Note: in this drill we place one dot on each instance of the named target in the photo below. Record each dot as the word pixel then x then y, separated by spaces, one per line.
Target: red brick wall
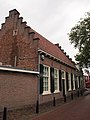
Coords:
pixel 17 89
pixel 19 43
pixel 49 97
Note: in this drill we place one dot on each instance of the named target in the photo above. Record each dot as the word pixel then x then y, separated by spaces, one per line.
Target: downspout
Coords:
pixel 38 85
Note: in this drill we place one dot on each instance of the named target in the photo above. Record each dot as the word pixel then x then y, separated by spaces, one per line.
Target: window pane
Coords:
pixel 55 84
pixel 46 80
pixel 69 80
pixel 63 74
pixel 56 79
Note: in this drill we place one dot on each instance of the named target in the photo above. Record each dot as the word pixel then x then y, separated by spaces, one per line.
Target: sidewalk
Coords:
pixel 76 110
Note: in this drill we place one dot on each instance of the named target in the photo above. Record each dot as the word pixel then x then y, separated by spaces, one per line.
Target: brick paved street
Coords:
pixel 76 110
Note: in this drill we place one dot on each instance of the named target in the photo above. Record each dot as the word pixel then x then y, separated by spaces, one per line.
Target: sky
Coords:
pixel 53 19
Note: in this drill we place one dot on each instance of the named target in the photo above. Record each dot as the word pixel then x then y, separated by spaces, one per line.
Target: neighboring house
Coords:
pixel 87 77
pixel 87 81
pixel 21 47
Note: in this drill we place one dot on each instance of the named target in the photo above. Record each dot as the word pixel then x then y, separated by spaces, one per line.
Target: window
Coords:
pixel 81 83
pixel 56 80
pixel 76 82
pixel 15 32
pixel 73 82
pixel 77 78
pixel 63 74
pixel 69 81
pixel 46 79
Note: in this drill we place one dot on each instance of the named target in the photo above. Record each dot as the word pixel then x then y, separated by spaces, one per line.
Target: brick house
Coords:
pixel 21 47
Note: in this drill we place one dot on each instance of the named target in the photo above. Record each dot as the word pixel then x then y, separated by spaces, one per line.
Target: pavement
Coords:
pixel 76 110
pixel 87 91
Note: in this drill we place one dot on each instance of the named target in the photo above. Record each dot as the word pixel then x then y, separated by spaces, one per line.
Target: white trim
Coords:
pixel 57 80
pixel 18 70
pixel 70 90
pixel 69 78
pixel 64 78
pixel 63 74
pixel 78 81
pixel 56 91
pixel 73 82
pixel 47 92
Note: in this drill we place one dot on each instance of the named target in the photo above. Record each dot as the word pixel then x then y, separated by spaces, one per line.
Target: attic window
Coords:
pixel 15 32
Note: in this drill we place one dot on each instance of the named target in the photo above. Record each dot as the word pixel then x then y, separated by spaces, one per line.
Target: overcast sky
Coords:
pixel 53 19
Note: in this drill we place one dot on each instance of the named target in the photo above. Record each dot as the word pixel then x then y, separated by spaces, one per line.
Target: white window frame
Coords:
pixel 63 77
pixel 46 76
pixel 81 81
pixel 73 82
pixel 69 80
pixel 56 76
pixel 78 81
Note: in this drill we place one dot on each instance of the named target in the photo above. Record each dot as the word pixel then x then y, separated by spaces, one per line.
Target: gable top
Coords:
pixel 46 45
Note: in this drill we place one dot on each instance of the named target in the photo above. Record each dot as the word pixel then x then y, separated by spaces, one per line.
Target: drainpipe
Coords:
pixel 38 85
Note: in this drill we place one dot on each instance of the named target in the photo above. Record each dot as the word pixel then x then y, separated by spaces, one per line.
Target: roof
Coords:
pixel 53 50
pixel 4 68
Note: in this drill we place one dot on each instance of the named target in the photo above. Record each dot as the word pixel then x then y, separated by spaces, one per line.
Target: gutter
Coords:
pixel 39 50
pixel 4 68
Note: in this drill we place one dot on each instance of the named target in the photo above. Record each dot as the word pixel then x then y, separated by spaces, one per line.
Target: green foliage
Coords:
pixel 80 37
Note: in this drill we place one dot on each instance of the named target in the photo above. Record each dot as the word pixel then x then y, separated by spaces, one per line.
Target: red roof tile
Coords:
pixel 52 49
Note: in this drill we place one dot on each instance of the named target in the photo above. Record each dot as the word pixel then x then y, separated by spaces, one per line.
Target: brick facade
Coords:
pixel 17 46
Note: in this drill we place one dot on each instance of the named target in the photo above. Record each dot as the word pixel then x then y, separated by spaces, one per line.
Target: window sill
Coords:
pixel 46 93
pixel 57 91
pixel 69 90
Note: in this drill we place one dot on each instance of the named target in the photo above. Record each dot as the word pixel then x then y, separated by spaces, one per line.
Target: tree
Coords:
pixel 80 37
